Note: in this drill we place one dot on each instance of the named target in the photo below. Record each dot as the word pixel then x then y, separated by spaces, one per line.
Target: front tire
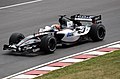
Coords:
pixel 15 38
pixel 48 44
pixel 97 32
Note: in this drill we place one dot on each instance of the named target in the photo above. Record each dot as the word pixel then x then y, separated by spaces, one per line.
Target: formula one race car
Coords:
pixel 68 31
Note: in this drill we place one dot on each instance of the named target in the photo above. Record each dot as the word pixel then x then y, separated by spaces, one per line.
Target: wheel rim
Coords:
pixel 101 33
pixel 52 44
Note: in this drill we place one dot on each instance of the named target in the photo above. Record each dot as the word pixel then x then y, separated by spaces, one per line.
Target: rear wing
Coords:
pixel 87 18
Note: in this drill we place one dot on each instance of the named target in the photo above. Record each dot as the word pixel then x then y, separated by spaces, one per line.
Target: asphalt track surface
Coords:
pixel 11 2
pixel 28 18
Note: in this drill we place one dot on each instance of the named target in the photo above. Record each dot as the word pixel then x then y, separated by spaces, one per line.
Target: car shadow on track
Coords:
pixel 21 54
pixel 72 45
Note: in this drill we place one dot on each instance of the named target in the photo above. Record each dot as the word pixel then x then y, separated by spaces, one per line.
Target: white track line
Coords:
pixel 60 59
pixel 20 4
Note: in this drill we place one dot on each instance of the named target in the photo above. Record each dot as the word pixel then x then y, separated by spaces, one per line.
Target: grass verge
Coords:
pixel 102 67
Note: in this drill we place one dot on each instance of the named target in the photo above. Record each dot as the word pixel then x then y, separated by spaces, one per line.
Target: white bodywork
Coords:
pixel 74 35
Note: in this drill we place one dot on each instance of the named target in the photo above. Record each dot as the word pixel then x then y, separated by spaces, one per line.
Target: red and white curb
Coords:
pixel 65 61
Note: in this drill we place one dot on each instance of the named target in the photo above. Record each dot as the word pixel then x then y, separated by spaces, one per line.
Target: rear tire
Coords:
pixel 97 32
pixel 48 44
pixel 15 38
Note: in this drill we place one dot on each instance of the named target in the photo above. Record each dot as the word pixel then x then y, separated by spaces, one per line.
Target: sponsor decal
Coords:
pixel 69 34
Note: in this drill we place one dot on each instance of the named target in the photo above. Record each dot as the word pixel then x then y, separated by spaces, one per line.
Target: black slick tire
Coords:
pixel 97 32
pixel 48 44
pixel 15 38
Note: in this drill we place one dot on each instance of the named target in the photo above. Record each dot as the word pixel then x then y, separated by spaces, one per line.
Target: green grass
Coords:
pixel 102 67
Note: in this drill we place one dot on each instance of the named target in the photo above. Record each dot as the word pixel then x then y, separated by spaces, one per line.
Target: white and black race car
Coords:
pixel 68 31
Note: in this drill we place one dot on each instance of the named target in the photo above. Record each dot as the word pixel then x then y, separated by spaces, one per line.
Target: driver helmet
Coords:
pixel 56 27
